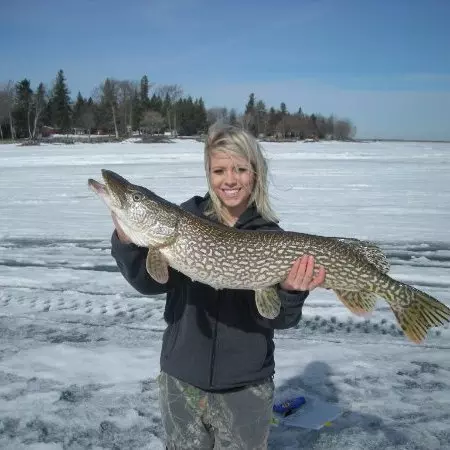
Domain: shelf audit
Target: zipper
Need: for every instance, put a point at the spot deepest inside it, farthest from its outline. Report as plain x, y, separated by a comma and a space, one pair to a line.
213, 350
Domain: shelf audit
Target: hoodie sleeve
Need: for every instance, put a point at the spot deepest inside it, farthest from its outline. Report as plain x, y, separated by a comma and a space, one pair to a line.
131, 261
291, 309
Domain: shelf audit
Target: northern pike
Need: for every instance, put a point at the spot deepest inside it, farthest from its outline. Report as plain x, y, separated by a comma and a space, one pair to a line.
226, 257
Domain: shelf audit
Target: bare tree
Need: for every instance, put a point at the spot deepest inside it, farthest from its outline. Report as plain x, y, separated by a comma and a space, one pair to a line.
125, 92
343, 130
153, 121
261, 117
107, 95
87, 119
38, 105
247, 121
217, 114
173, 92
7, 92
3, 110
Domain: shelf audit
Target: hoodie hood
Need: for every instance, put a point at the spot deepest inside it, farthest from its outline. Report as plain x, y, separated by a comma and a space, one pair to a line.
250, 219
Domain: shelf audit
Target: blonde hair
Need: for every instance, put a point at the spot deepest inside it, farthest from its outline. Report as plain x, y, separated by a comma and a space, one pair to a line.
237, 141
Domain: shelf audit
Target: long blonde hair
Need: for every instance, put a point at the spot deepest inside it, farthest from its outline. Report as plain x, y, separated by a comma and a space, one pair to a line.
237, 141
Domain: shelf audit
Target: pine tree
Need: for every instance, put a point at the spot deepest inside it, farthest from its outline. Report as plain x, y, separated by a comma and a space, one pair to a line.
23, 107
87, 118
200, 116
156, 103
108, 106
60, 100
144, 92
137, 111
272, 121
250, 107
78, 110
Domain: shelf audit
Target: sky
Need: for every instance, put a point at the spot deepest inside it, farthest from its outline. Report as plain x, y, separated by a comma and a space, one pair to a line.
80, 348
383, 65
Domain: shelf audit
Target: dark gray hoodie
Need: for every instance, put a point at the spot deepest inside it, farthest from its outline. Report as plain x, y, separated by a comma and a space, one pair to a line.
214, 340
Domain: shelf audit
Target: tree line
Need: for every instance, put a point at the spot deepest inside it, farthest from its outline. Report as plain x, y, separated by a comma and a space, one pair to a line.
123, 107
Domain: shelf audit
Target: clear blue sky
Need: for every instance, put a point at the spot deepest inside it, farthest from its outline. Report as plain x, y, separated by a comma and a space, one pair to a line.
385, 64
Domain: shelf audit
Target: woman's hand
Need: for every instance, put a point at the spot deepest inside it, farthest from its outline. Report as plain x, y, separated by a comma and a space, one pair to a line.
304, 275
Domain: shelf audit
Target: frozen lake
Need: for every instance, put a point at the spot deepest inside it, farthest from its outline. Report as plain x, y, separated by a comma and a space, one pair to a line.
79, 349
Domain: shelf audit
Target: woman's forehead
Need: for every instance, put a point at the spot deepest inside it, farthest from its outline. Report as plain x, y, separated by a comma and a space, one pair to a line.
220, 157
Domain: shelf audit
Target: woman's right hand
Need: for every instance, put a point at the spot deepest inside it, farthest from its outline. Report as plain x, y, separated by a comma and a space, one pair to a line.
122, 235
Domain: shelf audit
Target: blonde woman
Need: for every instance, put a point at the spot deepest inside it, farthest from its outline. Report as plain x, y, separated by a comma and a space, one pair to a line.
217, 358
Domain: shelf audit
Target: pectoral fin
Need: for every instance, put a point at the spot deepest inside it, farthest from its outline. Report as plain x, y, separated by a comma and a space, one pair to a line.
268, 302
157, 266
358, 302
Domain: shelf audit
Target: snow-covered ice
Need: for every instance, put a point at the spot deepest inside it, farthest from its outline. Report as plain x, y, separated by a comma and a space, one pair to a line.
79, 348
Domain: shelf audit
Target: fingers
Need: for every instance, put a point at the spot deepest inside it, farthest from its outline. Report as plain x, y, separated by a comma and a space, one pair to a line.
318, 279
308, 274
304, 275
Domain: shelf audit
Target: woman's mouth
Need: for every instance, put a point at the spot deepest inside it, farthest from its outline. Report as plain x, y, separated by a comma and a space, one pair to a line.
231, 193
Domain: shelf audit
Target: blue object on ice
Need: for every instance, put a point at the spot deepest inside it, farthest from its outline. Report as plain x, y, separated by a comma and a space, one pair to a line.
289, 405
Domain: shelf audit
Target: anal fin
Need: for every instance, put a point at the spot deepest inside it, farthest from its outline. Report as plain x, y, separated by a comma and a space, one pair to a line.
360, 303
267, 302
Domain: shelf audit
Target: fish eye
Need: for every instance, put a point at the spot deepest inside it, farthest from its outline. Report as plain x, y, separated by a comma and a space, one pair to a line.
137, 196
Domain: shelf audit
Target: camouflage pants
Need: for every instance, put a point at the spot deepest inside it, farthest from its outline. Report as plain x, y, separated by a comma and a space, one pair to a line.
194, 419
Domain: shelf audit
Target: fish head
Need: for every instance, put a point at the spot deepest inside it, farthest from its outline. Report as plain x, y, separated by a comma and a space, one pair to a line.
145, 217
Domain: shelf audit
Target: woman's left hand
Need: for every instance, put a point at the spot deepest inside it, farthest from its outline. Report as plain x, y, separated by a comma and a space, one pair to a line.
304, 275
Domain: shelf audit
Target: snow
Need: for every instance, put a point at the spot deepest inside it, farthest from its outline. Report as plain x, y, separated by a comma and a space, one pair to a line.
79, 348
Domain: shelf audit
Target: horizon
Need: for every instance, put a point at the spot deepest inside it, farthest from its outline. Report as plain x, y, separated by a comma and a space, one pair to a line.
378, 65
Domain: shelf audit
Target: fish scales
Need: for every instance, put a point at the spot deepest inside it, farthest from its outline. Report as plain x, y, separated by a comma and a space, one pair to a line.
227, 257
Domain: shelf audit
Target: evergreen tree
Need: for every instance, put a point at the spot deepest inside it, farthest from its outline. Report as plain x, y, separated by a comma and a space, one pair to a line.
23, 108
144, 92
166, 109
60, 100
78, 110
137, 111
107, 111
250, 107
233, 117
200, 116
156, 103
272, 121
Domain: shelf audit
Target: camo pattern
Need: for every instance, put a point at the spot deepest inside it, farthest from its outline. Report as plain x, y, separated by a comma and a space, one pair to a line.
194, 419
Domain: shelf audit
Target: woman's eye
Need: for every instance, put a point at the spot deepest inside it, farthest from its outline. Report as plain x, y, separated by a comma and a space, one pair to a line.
218, 171
242, 169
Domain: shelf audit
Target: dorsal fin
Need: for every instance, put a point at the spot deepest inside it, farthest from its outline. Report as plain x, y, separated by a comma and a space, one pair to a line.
370, 251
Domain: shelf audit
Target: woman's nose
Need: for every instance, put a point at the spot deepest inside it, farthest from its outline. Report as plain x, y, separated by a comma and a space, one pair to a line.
230, 177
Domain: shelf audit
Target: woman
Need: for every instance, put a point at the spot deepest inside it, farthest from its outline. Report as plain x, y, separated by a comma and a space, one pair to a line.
217, 358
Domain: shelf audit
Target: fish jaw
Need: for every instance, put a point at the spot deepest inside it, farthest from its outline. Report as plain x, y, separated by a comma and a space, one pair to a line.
101, 190
113, 192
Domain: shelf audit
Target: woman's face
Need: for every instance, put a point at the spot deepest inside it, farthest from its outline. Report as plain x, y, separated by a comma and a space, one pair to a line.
232, 180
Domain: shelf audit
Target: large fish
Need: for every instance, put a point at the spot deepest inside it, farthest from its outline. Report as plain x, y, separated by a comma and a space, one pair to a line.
225, 257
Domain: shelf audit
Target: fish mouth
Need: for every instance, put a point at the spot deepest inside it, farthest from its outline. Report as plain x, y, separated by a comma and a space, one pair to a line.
112, 190
98, 188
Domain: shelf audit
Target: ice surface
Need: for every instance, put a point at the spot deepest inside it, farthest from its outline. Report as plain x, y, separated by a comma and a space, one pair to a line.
79, 348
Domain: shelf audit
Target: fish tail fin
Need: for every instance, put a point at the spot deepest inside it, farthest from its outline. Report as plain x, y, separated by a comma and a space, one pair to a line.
416, 311
267, 302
